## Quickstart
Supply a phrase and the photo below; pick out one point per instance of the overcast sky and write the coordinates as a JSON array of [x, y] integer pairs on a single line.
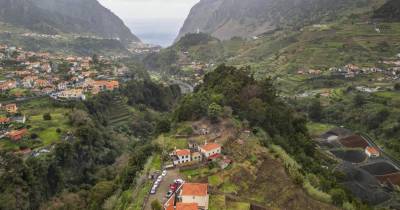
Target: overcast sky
[[156, 21]]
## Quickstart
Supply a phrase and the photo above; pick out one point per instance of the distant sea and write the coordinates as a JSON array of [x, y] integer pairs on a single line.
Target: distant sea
[[160, 32]]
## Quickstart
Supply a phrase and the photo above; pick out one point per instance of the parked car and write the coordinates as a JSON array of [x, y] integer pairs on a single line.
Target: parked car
[[173, 187], [179, 181], [153, 191], [164, 173], [169, 194]]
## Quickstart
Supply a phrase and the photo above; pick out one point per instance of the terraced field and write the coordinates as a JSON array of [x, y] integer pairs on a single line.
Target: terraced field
[[120, 114], [353, 156]]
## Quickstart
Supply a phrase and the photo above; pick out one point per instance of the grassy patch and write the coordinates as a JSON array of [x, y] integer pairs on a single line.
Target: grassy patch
[[229, 187], [238, 205], [170, 142], [215, 180], [318, 128], [47, 129], [217, 202], [140, 197], [8, 145], [195, 173], [156, 162]]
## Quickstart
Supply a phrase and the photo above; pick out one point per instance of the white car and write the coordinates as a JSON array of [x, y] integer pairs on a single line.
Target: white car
[[180, 181], [164, 173]]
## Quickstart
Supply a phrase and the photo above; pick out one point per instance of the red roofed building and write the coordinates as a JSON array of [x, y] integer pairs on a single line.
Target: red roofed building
[[4, 120], [17, 134], [169, 205], [11, 108], [210, 149], [8, 85], [195, 193], [372, 152], [181, 156], [187, 206]]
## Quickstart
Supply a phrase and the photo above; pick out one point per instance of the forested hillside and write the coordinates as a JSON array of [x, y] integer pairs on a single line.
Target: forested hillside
[[97, 160]]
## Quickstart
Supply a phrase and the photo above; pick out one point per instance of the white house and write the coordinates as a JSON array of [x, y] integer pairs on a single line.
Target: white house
[[210, 149], [195, 193], [371, 152], [182, 156]]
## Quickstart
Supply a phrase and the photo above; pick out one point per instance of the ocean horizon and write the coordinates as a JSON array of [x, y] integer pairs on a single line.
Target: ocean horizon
[[159, 32]]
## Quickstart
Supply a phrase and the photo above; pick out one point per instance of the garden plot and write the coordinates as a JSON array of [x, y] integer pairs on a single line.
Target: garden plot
[[390, 178], [380, 168], [363, 185], [353, 156], [354, 141]]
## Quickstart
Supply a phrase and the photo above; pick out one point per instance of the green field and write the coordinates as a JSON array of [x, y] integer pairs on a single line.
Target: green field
[[46, 129]]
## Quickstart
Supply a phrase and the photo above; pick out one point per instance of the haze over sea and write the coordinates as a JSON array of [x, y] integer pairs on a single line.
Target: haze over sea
[[153, 21], [160, 32]]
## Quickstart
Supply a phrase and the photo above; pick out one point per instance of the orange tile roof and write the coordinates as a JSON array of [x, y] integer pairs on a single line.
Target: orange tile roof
[[4, 119], [194, 189], [372, 150], [182, 152], [11, 105], [187, 206], [210, 146], [170, 203]]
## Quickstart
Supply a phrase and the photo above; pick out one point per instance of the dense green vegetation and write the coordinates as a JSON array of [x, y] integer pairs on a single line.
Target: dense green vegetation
[[228, 91], [81, 171], [374, 114]]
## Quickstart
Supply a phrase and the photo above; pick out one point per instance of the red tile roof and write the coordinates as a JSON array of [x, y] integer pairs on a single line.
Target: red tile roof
[[210, 146], [372, 150], [182, 152], [194, 189], [187, 206], [4, 119], [215, 156]]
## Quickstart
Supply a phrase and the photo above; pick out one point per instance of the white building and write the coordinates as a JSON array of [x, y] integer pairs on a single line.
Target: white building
[[195, 193], [372, 152], [181, 156], [210, 149]]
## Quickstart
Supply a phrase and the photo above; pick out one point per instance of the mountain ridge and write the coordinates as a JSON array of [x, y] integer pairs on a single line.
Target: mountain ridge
[[86, 17], [225, 19]]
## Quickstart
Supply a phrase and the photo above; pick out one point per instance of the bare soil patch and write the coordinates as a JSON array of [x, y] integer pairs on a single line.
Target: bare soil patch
[[390, 178], [354, 141]]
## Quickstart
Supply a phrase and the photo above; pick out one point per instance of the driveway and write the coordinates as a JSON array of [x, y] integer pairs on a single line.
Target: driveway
[[163, 188]]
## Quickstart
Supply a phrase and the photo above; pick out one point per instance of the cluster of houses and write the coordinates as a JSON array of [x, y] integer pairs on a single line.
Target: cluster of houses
[[199, 153], [351, 70], [192, 196], [40, 74], [12, 117]]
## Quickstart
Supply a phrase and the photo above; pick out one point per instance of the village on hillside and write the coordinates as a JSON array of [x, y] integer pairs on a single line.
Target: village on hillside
[[29, 76]]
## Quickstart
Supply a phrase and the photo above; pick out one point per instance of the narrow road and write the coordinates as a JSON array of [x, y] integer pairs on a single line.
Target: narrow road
[[385, 155]]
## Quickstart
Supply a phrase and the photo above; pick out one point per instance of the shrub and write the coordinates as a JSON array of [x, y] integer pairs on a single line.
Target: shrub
[[338, 196], [46, 116], [155, 205], [315, 193], [34, 136]]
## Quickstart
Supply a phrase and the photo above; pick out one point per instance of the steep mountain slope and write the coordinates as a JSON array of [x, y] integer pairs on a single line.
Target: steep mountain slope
[[66, 16], [225, 19], [389, 11]]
